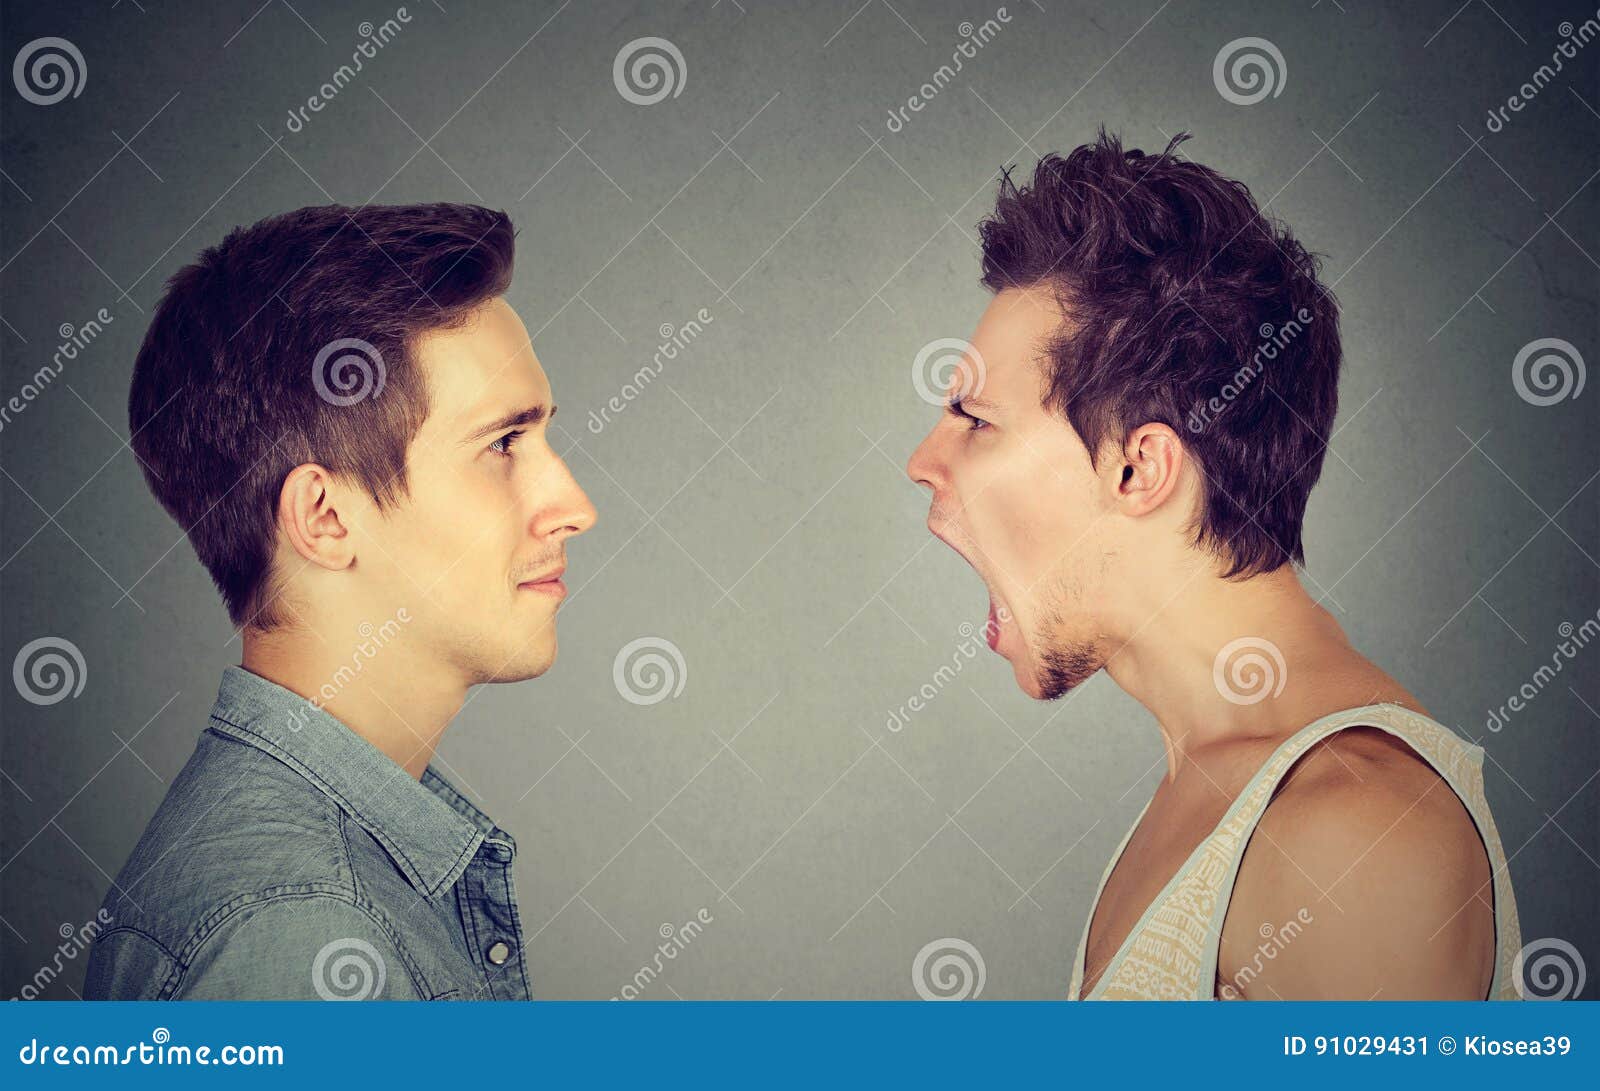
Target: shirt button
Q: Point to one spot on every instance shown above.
(498, 952)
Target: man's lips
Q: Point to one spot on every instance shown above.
(991, 628)
(548, 584)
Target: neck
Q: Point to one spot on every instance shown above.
(376, 690)
(1169, 661)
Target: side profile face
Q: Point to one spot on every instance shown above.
(491, 506)
(1014, 494)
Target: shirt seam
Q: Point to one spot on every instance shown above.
(135, 930)
(220, 916)
(261, 742)
(516, 929)
(469, 917)
(349, 856)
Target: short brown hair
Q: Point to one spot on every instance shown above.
(1192, 309)
(289, 342)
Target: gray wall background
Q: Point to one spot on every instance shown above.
(753, 507)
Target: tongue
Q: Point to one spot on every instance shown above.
(991, 629)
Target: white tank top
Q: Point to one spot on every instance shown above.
(1171, 953)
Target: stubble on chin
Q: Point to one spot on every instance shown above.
(1064, 668)
(1065, 664)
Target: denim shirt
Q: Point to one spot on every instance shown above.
(292, 859)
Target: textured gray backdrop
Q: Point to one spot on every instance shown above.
(754, 512)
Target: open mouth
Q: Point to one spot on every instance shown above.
(998, 614)
(991, 628)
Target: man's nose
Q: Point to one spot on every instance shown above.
(922, 466)
(573, 513)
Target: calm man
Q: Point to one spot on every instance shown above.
(349, 422)
(1125, 461)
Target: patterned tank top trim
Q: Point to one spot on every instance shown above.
(1171, 952)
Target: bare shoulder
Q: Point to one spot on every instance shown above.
(1362, 784)
(1368, 841)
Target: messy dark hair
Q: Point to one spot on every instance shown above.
(290, 342)
(1185, 305)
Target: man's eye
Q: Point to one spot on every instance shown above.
(502, 446)
(973, 423)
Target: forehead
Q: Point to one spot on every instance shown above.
(1012, 338)
(480, 370)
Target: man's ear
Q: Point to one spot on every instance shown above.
(308, 515)
(1149, 470)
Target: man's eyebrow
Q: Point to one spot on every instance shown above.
(532, 415)
(960, 402)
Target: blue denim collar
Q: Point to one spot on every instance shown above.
(428, 828)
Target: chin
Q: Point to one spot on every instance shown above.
(1028, 680)
(1064, 669)
(524, 664)
(537, 664)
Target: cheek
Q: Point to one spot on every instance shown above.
(481, 521)
(1037, 522)
(461, 531)
(1028, 507)
(1026, 541)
